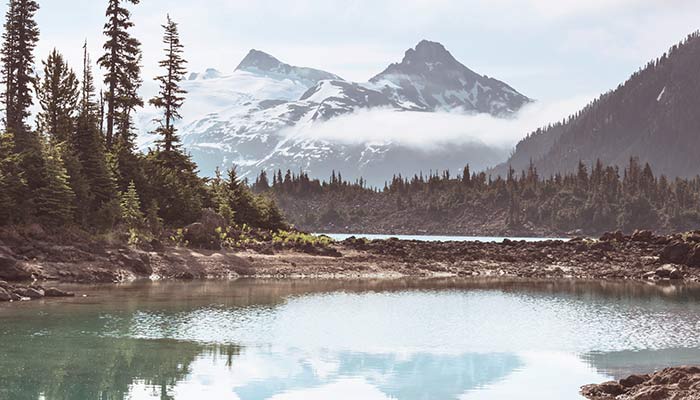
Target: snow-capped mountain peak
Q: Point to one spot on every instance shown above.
(261, 63)
(429, 78)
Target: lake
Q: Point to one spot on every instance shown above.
(326, 339)
(437, 238)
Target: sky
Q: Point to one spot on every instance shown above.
(548, 50)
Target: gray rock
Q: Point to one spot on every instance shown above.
(10, 271)
(135, 263)
(633, 380)
(642, 236)
(675, 252)
(669, 271)
(5, 295)
(694, 257)
(30, 293)
(203, 233)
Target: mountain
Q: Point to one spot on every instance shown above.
(261, 63)
(255, 117)
(653, 116)
(430, 78)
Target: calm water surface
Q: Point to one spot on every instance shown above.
(256, 339)
(435, 238)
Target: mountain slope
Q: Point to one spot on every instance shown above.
(653, 116)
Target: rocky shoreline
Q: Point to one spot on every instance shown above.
(670, 383)
(35, 258)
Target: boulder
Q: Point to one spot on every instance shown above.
(693, 237)
(633, 380)
(30, 293)
(675, 252)
(10, 270)
(203, 233)
(136, 263)
(669, 271)
(53, 292)
(644, 236)
(612, 388)
(603, 246)
(5, 295)
(211, 220)
(694, 257)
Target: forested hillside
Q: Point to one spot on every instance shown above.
(589, 201)
(653, 116)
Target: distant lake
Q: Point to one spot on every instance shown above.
(433, 238)
(445, 339)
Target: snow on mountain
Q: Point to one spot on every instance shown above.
(244, 118)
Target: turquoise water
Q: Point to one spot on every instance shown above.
(436, 238)
(401, 339)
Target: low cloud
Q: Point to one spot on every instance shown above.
(438, 130)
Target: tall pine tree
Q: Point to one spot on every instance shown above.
(17, 55)
(19, 40)
(171, 96)
(58, 96)
(90, 149)
(122, 74)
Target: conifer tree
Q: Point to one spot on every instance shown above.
(171, 95)
(55, 200)
(122, 74)
(58, 96)
(130, 205)
(12, 182)
(19, 40)
(89, 148)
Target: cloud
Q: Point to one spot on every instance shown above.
(433, 131)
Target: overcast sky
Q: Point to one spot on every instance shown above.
(547, 49)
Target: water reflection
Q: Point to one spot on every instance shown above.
(93, 368)
(402, 339)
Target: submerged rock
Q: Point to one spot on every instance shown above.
(53, 292)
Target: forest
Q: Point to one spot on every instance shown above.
(593, 200)
(76, 165)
